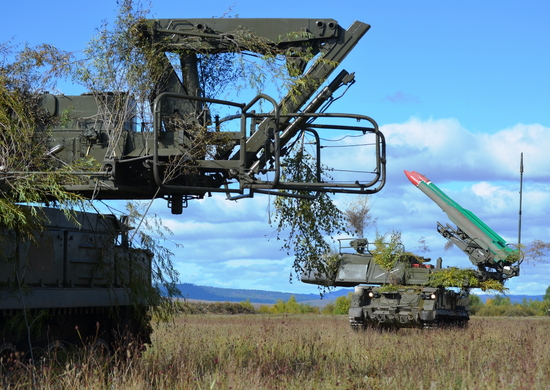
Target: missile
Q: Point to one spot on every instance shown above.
(464, 219)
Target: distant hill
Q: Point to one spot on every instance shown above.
(218, 294)
(206, 293)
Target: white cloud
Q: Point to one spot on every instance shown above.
(452, 152)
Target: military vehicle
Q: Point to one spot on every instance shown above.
(397, 298)
(405, 295)
(184, 145)
(401, 297)
(71, 284)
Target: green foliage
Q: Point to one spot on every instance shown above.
(247, 305)
(459, 277)
(306, 223)
(546, 296)
(120, 73)
(342, 304)
(387, 253)
(513, 257)
(290, 307)
(540, 308)
(152, 235)
(475, 304)
(30, 174)
(518, 310)
(328, 309)
(115, 62)
(502, 306)
(453, 277)
(224, 308)
(491, 311)
(394, 288)
(499, 300)
(265, 309)
(491, 285)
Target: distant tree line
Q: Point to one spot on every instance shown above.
(500, 305)
(340, 306)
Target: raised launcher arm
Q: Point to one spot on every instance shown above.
(486, 249)
(164, 162)
(495, 265)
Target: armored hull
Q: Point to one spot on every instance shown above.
(72, 284)
(420, 307)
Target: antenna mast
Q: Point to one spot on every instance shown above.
(520, 198)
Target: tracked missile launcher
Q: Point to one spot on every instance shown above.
(406, 295)
(397, 298)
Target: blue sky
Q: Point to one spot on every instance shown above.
(458, 88)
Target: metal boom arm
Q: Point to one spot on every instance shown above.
(187, 153)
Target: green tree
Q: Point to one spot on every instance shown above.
(265, 309)
(518, 310)
(247, 305)
(308, 309)
(540, 308)
(496, 306)
(291, 306)
(499, 300)
(328, 309)
(342, 304)
(475, 304)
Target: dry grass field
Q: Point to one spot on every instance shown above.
(310, 352)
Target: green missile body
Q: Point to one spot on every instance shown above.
(464, 219)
